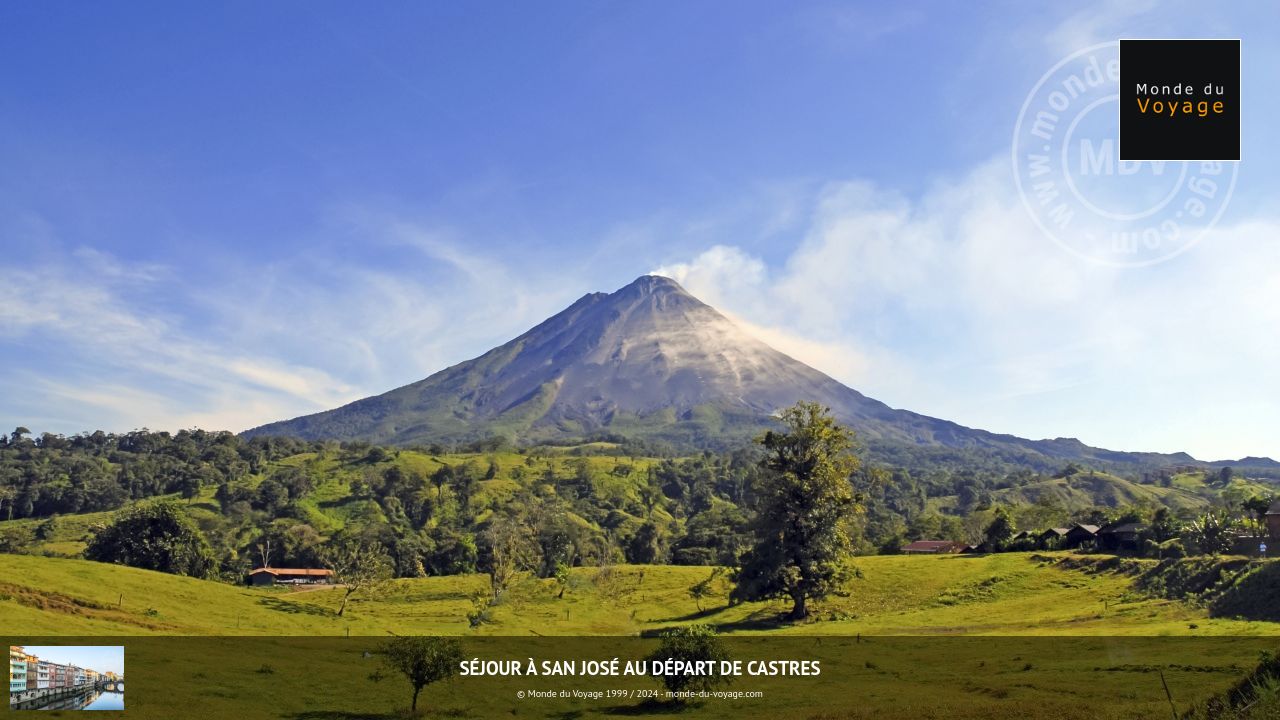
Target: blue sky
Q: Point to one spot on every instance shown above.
(227, 215)
(103, 658)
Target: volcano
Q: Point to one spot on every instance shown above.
(649, 361)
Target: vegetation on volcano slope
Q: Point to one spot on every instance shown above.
(433, 511)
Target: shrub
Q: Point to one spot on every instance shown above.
(153, 536)
(1174, 548)
(691, 644)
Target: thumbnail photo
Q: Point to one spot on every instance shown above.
(66, 677)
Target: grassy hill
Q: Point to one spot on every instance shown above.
(1056, 632)
(1086, 488)
(1008, 594)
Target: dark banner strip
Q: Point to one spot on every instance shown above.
(357, 678)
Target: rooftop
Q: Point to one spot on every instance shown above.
(293, 571)
(1124, 528)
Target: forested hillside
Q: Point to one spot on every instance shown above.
(440, 511)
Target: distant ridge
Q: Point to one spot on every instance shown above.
(650, 361)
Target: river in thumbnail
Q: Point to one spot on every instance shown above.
(107, 701)
(110, 700)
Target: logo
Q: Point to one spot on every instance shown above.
(1066, 162)
(1180, 99)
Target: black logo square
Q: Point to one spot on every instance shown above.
(1179, 99)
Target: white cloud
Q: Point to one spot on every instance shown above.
(730, 280)
(956, 305)
(88, 317)
(721, 269)
(111, 344)
(952, 304)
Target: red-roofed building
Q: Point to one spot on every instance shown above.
(290, 576)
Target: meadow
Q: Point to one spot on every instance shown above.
(1004, 594)
(1036, 635)
(1009, 635)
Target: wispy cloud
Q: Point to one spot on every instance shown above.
(118, 345)
(956, 305)
(90, 319)
(953, 303)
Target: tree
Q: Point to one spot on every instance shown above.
(270, 496)
(651, 497)
(441, 477)
(649, 545)
(508, 549)
(423, 660)
(15, 539)
(691, 643)
(153, 536)
(290, 543)
(360, 566)
(1164, 526)
(702, 588)
(998, 534)
(7, 495)
(1257, 507)
(805, 503)
(1211, 533)
(1225, 475)
(189, 485)
(562, 576)
(47, 529)
(466, 483)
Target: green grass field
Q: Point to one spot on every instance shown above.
(1047, 638)
(1035, 635)
(1007, 594)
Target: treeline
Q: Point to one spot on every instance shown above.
(898, 515)
(53, 474)
(573, 510)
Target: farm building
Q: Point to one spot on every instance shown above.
(1052, 538)
(1273, 520)
(1079, 535)
(1124, 536)
(290, 576)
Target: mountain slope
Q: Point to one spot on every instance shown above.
(648, 361)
